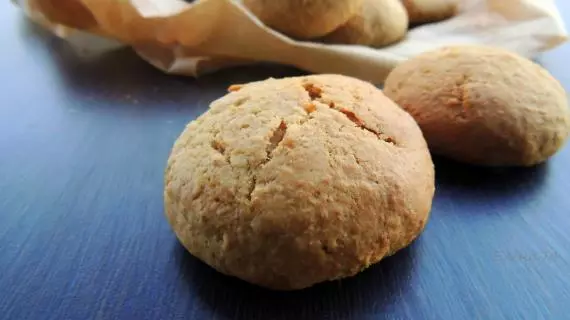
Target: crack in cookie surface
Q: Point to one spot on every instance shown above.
(220, 147)
(461, 94)
(252, 186)
(274, 142)
(359, 123)
(316, 94)
(276, 139)
(235, 87)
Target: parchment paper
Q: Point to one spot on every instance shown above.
(202, 37)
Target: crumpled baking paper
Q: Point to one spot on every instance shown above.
(207, 35)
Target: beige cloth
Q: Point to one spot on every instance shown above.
(198, 38)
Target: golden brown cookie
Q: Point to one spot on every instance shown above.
(304, 19)
(68, 12)
(483, 105)
(288, 183)
(424, 11)
(378, 23)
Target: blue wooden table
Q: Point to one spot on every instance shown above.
(83, 145)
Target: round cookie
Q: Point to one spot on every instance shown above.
(424, 11)
(291, 182)
(378, 23)
(484, 106)
(304, 19)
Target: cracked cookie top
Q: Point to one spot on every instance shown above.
(289, 182)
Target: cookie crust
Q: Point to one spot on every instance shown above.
(482, 105)
(291, 182)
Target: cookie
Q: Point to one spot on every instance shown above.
(68, 12)
(304, 19)
(286, 183)
(424, 11)
(377, 24)
(482, 105)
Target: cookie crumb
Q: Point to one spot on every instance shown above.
(289, 143)
(313, 91)
(310, 107)
(352, 117)
(235, 87)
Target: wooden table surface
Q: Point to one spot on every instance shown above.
(83, 146)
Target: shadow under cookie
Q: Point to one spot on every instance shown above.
(373, 291)
(463, 183)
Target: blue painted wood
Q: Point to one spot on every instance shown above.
(83, 144)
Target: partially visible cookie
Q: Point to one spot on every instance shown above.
(287, 183)
(482, 105)
(68, 12)
(378, 23)
(424, 11)
(304, 19)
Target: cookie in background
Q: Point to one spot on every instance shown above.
(483, 105)
(304, 19)
(378, 23)
(426, 11)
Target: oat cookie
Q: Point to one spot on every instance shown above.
(291, 182)
(483, 105)
(377, 24)
(304, 19)
(424, 11)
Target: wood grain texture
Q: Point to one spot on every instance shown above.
(83, 144)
